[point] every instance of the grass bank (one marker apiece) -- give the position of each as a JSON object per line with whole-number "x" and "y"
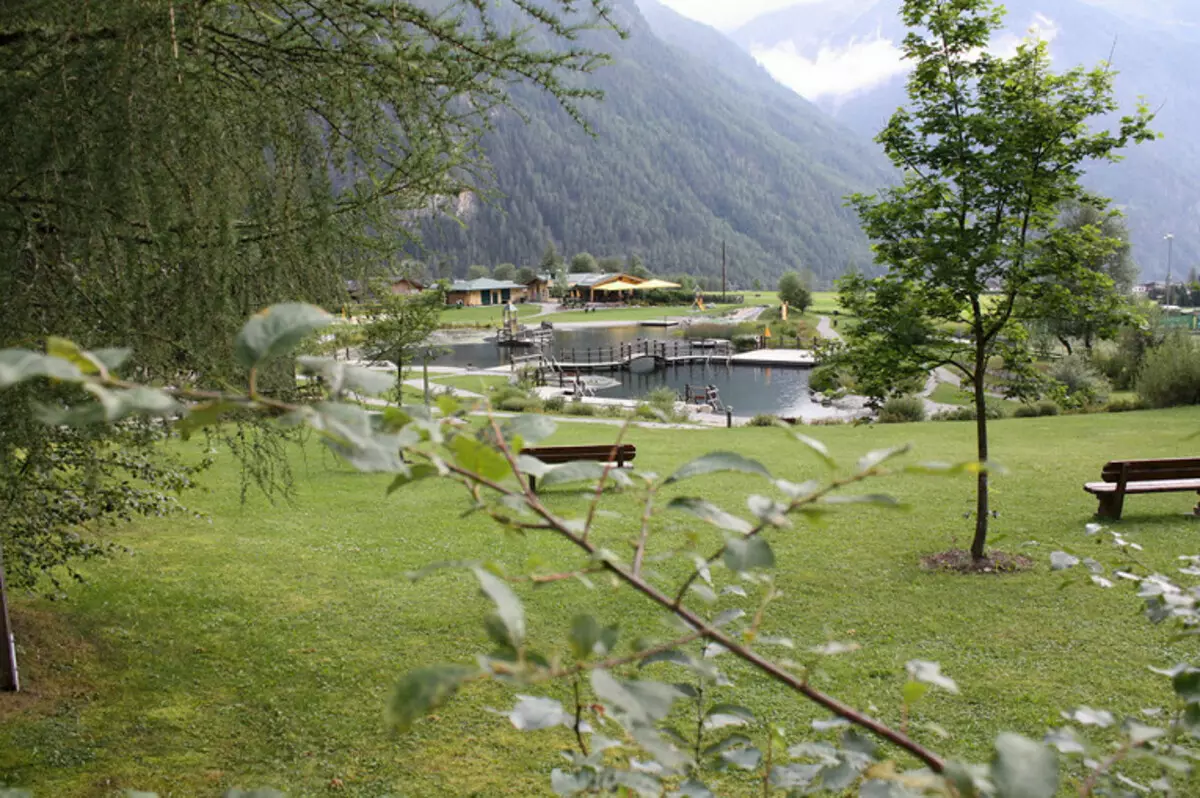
{"x": 258, "y": 646}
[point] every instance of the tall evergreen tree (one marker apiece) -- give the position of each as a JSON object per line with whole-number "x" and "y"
{"x": 169, "y": 168}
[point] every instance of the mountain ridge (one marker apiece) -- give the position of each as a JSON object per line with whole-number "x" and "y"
{"x": 689, "y": 151}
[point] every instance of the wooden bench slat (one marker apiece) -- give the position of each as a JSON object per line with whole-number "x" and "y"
{"x": 1156, "y": 486}
{"x": 617, "y": 455}
{"x": 1125, "y": 477}
{"x": 1141, "y": 470}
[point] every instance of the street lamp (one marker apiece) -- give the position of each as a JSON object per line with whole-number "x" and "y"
{"x": 1170, "y": 239}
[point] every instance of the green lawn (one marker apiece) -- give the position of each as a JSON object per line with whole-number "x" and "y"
{"x": 948, "y": 394}
{"x": 483, "y": 315}
{"x": 258, "y": 646}
{"x": 479, "y": 383}
{"x": 647, "y": 313}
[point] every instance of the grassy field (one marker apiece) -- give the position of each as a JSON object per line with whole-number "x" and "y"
{"x": 479, "y": 383}
{"x": 258, "y": 646}
{"x": 484, "y": 315}
{"x": 948, "y": 394}
{"x": 647, "y": 313}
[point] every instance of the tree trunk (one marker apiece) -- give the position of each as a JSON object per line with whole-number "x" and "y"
{"x": 981, "y": 496}
{"x": 9, "y": 678}
{"x": 1066, "y": 342}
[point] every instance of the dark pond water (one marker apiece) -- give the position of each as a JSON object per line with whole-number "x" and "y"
{"x": 747, "y": 389}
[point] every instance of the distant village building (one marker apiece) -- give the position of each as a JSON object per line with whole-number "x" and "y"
{"x": 484, "y": 291}
{"x": 538, "y": 289}
{"x": 590, "y": 287}
{"x": 401, "y": 285}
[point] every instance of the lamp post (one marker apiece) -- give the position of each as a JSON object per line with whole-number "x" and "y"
{"x": 1170, "y": 239}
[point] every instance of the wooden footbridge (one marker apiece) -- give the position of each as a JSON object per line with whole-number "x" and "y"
{"x": 623, "y": 356}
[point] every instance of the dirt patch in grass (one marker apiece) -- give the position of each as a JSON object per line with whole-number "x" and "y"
{"x": 52, "y": 658}
{"x": 961, "y": 562}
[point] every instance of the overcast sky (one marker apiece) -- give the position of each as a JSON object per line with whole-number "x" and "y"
{"x": 728, "y": 14}
{"x": 839, "y": 69}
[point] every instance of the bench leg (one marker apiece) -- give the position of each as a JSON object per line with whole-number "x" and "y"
{"x": 532, "y": 483}
{"x": 1196, "y": 509}
{"x": 1111, "y": 505}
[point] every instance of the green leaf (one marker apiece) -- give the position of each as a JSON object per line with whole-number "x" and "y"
{"x": 508, "y": 606}
{"x": 746, "y": 554}
{"x": 920, "y": 670}
{"x": 1187, "y": 684}
{"x": 448, "y": 403}
{"x": 479, "y": 458}
{"x": 819, "y": 448}
{"x": 70, "y": 351}
{"x": 203, "y": 415}
{"x": 342, "y": 376}
{"x": 533, "y": 713}
{"x": 721, "y": 715}
{"x": 877, "y": 499}
{"x": 880, "y": 456}
{"x": 711, "y": 513}
{"x": 415, "y": 474}
{"x": 578, "y": 471}
{"x": 277, "y": 330}
{"x": 531, "y": 428}
{"x": 914, "y": 691}
{"x": 18, "y": 365}
{"x": 715, "y": 462}
{"x": 585, "y": 632}
{"x": 747, "y": 758}
{"x": 112, "y": 358}
{"x": 643, "y": 702}
{"x": 420, "y": 691}
{"x": 1022, "y": 768}
{"x": 692, "y": 789}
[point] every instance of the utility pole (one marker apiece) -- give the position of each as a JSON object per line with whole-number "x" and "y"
{"x": 1170, "y": 237}
{"x": 723, "y": 297}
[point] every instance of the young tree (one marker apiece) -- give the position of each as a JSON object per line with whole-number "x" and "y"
{"x": 758, "y": 284}
{"x": 991, "y": 148}
{"x": 610, "y": 265}
{"x": 1094, "y": 309}
{"x": 794, "y": 291}
{"x": 505, "y": 271}
{"x": 584, "y": 263}
{"x": 445, "y": 270}
{"x": 524, "y": 275}
{"x": 551, "y": 260}
{"x": 396, "y": 326}
{"x": 636, "y": 267}
{"x": 477, "y": 272}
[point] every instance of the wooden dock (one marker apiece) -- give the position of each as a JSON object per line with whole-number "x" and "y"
{"x": 624, "y": 356}
{"x": 799, "y": 358}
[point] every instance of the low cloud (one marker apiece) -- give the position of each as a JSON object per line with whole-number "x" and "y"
{"x": 834, "y": 72}
{"x": 839, "y": 72}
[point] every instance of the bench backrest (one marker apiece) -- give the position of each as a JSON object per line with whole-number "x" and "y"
{"x": 605, "y": 452}
{"x": 1148, "y": 470}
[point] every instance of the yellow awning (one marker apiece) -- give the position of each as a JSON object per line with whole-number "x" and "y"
{"x": 616, "y": 285}
{"x": 650, "y": 285}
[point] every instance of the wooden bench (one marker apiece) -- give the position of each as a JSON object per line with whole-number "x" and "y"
{"x": 1124, "y": 477}
{"x": 601, "y": 453}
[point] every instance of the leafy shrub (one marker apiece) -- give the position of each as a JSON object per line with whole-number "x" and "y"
{"x": 824, "y": 379}
{"x": 763, "y": 420}
{"x": 1082, "y": 384}
{"x": 1043, "y": 408}
{"x": 1170, "y": 375}
{"x": 1123, "y": 405}
{"x": 554, "y": 404}
{"x": 968, "y": 413}
{"x": 520, "y": 404}
{"x": 902, "y": 410}
{"x": 580, "y": 409}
